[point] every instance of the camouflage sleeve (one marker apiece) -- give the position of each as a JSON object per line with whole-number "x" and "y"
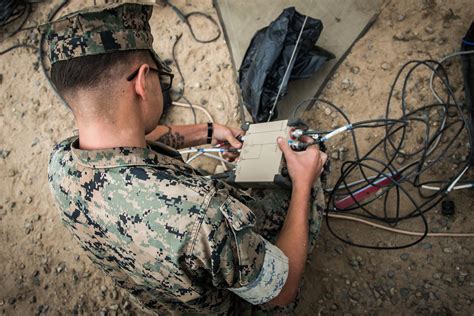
{"x": 237, "y": 258}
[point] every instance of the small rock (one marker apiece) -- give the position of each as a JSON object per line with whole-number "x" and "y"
{"x": 346, "y": 84}
{"x": 339, "y": 249}
{"x": 426, "y": 245}
{"x": 385, "y": 66}
{"x": 420, "y": 139}
{"x": 404, "y": 256}
{"x": 103, "y": 289}
{"x": 442, "y": 222}
{"x": 60, "y": 268}
{"x": 433, "y": 296}
{"x": 355, "y": 70}
{"x": 401, "y": 17}
{"x": 400, "y": 160}
{"x": 335, "y": 155}
{"x": 35, "y": 279}
{"x": 220, "y": 106}
{"x": 447, "y": 250}
{"x": 35, "y": 142}
{"x": 462, "y": 276}
{"x": 429, "y": 30}
{"x": 327, "y": 111}
{"x": 4, "y": 153}
{"x": 441, "y": 41}
{"x": 401, "y": 37}
{"x": 391, "y": 274}
{"x": 376, "y": 294}
{"x": 342, "y": 154}
{"x": 437, "y": 276}
{"x": 29, "y": 199}
{"x": 28, "y": 228}
{"x": 404, "y": 292}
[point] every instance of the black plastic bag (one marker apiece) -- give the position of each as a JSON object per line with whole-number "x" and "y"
{"x": 468, "y": 72}
{"x": 268, "y": 57}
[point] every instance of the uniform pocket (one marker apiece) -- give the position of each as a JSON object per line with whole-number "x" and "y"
{"x": 237, "y": 214}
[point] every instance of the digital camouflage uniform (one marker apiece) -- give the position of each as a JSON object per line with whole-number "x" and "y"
{"x": 177, "y": 241}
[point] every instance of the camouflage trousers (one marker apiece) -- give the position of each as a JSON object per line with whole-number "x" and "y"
{"x": 270, "y": 207}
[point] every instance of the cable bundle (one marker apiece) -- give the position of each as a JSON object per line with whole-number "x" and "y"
{"x": 397, "y": 172}
{"x": 11, "y": 11}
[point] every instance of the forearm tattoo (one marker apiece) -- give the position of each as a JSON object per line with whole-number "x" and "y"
{"x": 175, "y": 140}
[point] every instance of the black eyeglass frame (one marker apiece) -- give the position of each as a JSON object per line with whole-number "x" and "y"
{"x": 160, "y": 73}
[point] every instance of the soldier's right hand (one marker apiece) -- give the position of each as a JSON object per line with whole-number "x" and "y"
{"x": 303, "y": 166}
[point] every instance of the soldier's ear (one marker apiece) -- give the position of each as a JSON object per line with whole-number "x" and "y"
{"x": 140, "y": 82}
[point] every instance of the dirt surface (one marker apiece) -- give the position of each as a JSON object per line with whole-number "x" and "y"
{"x": 45, "y": 271}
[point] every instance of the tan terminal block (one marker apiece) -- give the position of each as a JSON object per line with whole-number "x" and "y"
{"x": 260, "y": 158}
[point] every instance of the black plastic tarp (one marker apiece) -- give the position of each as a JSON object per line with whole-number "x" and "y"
{"x": 468, "y": 71}
{"x": 268, "y": 57}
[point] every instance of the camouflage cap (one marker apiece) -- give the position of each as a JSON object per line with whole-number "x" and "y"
{"x": 101, "y": 30}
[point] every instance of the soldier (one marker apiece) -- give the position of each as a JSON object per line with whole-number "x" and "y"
{"x": 177, "y": 241}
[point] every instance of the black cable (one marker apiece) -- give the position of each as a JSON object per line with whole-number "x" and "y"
{"x": 380, "y": 161}
{"x": 178, "y": 68}
{"x": 11, "y": 11}
{"x": 26, "y": 13}
{"x": 185, "y": 19}
{"x": 181, "y": 93}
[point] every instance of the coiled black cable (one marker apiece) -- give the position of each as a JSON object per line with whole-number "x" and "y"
{"x": 11, "y": 11}
{"x": 403, "y": 198}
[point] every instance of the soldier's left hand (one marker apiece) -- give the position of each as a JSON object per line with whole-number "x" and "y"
{"x": 227, "y": 135}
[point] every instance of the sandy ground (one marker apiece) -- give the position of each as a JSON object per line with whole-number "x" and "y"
{"x": 44, "y": 271}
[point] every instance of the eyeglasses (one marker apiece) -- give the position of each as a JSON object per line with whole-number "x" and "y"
{"x": 166, "y": 78}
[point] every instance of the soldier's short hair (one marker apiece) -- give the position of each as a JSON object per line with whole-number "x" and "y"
{"x": 91, "y": 71}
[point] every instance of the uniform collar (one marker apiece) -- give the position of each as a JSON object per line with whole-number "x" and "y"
{"x": 154, "y": 154}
